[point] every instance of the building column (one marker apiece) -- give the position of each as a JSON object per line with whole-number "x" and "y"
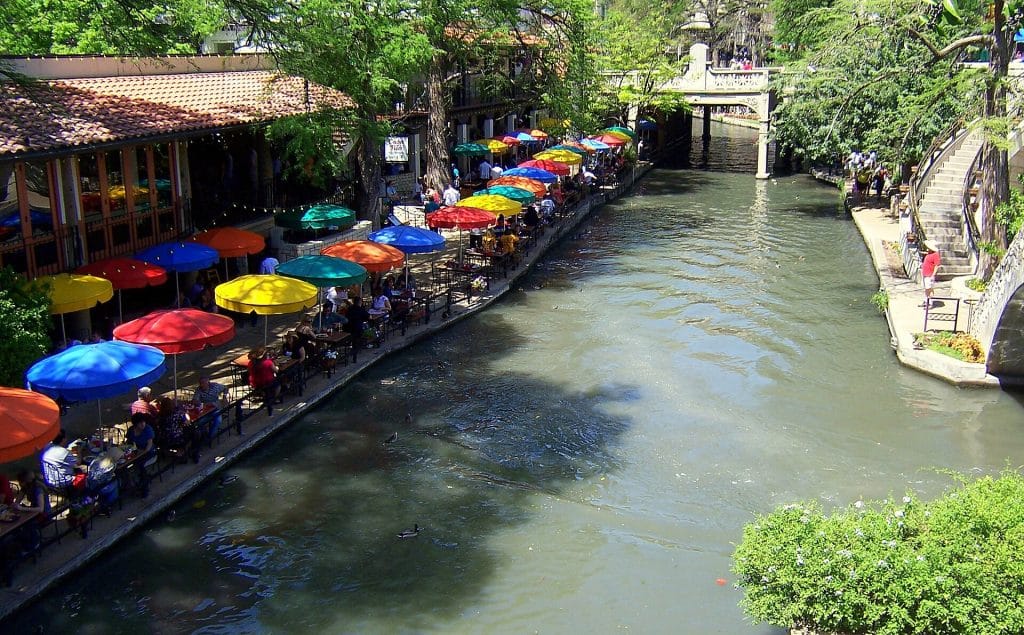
{"x": 415, "y": 147}
{"x": 510, "y": 123}
{"x": 488, "y": 128}
{"x": 764, "y": 122}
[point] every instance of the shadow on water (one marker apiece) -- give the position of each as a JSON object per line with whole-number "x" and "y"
{"x": 307, "y": 536}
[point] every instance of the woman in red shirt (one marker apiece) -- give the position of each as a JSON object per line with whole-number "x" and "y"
{"x": 263, "y": 376}
{"x": 928, "y": 268}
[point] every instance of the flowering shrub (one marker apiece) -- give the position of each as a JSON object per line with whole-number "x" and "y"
{"x": 955, "y": 565}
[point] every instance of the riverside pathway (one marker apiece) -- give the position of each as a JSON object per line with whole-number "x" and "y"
{"x": 905, "y": 315}
{"x": 60, "y": 560}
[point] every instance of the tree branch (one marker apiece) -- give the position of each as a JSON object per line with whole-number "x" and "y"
{"x": 952, "y": 47}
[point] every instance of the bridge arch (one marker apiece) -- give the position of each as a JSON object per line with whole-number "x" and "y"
{"x": 998, "y": 319}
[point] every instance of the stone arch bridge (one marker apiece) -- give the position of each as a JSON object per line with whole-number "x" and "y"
{"x": 706, "y": 86}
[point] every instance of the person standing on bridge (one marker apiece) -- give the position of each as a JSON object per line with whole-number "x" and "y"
{"x": 928, "y": 268}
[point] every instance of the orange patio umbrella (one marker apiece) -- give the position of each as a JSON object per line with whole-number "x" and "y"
{"x": 374, "y": 257}
{"x": 231, "y": 242}
{"x": 533, "y": 186}
{"x": 28, "y": 421}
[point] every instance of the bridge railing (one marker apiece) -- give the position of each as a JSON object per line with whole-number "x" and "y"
{"x": 713, "y": 80}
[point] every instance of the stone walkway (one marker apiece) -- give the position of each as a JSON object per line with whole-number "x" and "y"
{"x": 61, "y": 559}
{"x": 905, "y": 314}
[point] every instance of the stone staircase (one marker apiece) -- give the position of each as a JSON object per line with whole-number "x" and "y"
{"x": 940, "y": 209}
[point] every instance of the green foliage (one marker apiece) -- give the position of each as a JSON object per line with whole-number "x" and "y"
{"x": 992, "y": 248}
{"x": 900, "y": 566}
{"x": 25, "y": 314}
{"x": 39, "y": 27}
{"x": 1010, "y": 214}
{"x": 881, "y": 300}
{"x": 961, "y": 346}
{"x": 976, "y": 284}
{"x": 857, "y": 78}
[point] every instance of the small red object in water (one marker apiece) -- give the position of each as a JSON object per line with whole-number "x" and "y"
{"x": 720, "y": 581}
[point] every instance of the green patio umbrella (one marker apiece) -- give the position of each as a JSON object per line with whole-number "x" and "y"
{"x": 320, "y": 216}
{"x": 625, "y": 131}
{"x": 323, "y": 271}
{"x": 516, "y": 194}
{"x": 471, "y": 150}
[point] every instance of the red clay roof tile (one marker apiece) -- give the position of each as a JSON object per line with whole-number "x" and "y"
{"x": 57, "y": 114}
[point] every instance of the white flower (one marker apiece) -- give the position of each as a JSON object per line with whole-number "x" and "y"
{"x": 858, "y": 532}
{"x": 920, "y": 558}
{"x": 898, "y": 513}
{"x": 859, "y": 504}
{"x": 906, "y": 499}
{"x": 882, "y": 564}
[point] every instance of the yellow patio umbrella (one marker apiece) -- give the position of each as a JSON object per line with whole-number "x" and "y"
{"x": 492, "y": 203}
{"x": 562, "y": 156}
{"x": 70, "y": 292}
{"x": 265, "y": 295}
{"x": 494, "y": 145}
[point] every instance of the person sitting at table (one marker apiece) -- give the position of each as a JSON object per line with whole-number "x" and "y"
{"x": 174, "y": 430}
{"x": 489, "y": 242}
{"x": 210, "y": 393}
{"x": 531, "y": 218}
{"x": 501, "y": 225}
{"x": 547, "y": 208}
{"x": 357, "y": 318}
{"x": 58, "y": 464}
{"x": 305, "y": 329}
{"x": 32, "y": 499}
{"x": 144, "y": 403}
{"x": 294, "y": 347}
{"x": 381, "y": 304}
{"x": 507, "y": 244}
{"x": 143, "y": 437}
{"x": 329, "y": 316}
{"x": 263, "y": 377}
{"x": 207, "y": 301}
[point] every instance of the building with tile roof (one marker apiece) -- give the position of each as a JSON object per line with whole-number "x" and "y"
{"x": 104, "y": 156}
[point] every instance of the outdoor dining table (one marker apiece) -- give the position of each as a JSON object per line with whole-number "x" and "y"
{"x": 195, "y": 414}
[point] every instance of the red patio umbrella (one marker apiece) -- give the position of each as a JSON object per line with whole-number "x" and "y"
{"x": 461, "y": 218}
{"x": 125, "y": 273}
{"x": 176, "y": 331}
{"x": 28, "y": 421}
{"x": 508, "y": 140}
{"x": 554, "y": 167}
{"x": 231, "y": 242}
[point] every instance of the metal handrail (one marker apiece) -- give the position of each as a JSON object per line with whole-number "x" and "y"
{"x": 970, "y": 228}
{"x": 939, "y": 147}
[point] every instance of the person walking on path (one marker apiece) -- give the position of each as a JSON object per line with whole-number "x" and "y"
{"x": 928, "y": 268}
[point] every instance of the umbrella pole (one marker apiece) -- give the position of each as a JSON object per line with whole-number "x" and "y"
{"x": 266, "y": 321}
{"x": 63, "y": 331}
{"x": 99, "y": 413}
{"x": 175, "y": 356}
{"x": 226, "y": 277}
{"x": 120, "y": 313}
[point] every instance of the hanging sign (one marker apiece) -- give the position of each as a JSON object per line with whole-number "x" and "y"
{"x": 396, "y": 149}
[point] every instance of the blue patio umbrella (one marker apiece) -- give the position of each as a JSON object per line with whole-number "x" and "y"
{"x": 96, "y": 371}
{"x": 523, "y": 137}
{"x": 180, "y": 256}
{"x": 646, "y": 124}
{"x": 595, "y": 144}
{"x": 532, "y": 173}
{"x": 411, "y": 240}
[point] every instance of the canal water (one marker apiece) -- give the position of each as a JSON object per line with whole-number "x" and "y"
{"x": 581, "y": 457}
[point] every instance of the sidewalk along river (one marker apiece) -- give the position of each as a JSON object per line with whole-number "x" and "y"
{"x": 583, "y": 455}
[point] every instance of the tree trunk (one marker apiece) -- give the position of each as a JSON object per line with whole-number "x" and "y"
{"x": 368, "y": 192}
{"x": 438, "y": 175}
{"x": 995, "y": 182}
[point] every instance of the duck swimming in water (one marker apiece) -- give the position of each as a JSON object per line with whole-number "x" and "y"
{"x": 410, "y": 533}
{"x": 391, "y": 439}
